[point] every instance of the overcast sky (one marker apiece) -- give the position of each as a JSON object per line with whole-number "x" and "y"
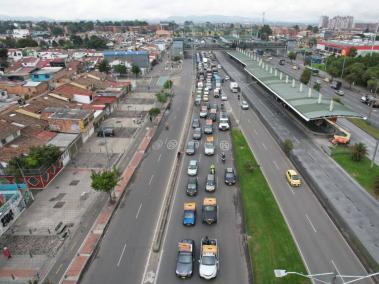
{"x": 276, "y": 10}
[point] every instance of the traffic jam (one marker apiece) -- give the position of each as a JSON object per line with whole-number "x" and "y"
{"x": 209, "y": 123}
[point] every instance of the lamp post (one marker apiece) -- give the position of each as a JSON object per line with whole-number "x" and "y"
{"x": 282, "y": 273}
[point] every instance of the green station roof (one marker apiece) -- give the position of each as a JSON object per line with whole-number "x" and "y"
{"x": 306, "y": 103}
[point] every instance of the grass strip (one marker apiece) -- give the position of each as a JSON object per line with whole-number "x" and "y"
{"x": 270, "y": 242}
{"x": 361, "y": 171}
{"x": 365, "y": 126}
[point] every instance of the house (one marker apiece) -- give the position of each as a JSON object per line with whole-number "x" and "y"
{"x": 163, "y": 34}
{"x": 76, "y": 121}
{"x": 139, "y": 58}
{"x": 70, "y": 92}
{"x": 8, "y": 133}
{"x": 21, "y": 33}
{"x": 24, "y": 89}
{"x": 45, "y": 74}
{"x": 68, "y": 143}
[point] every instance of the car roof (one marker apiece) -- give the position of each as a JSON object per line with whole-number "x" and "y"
{"x": 193, "y": 162}
{"x": 292, "y": 172}
{"x": 229, "y": 170}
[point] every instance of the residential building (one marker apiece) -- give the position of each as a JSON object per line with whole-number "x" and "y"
{"x": 341, "y": 23}
{"x": 324, "y": 22}
{"x": 45, "y": 74}
{"x": 366, "y": 27}
{"x": 177, "y": 49}
{"x": 21, "y": 33}
{"x": 8, "y": 133}
{"x": 139, "y": 58}
{"x": 24, "y": 89}
{"x": 71, "y": 92}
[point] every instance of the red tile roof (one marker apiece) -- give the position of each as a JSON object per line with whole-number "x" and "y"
{"x": 68, "y": 90}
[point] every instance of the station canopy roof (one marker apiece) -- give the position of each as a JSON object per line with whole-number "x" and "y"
{"x": 309, "y": 107}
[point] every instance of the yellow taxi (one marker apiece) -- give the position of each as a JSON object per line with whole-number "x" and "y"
{"x": 293, "y": 178}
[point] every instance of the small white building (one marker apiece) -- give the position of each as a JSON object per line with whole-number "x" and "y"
{"x": 21, "y": 33}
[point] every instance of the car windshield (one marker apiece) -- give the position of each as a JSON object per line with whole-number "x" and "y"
{"x": 229, "y": 175}
{"x": 209, "y": 208}
{"x": 192, "y": 166}
{"x": 209, "y": 260}
{"x": 295, "y": 177}
{"x": 191, "y": 145}
{"x": 185, "y": 258}
{"x": 188, "y": 214}
{"x": 191, "y": 186}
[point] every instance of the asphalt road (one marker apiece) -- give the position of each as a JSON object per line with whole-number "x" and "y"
{"x": 124, "y": 249}
{"x": 229, "y": 228}
{"x": 320, "y": 243}
{"x": 350, "y": 99}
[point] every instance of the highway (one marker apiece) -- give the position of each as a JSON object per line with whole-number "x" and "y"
{"x": 229, "y": 228}
{"x": 125, "y": 247}
{"x": 321, "y": 245}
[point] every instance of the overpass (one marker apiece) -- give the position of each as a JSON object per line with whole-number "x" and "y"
{"x": 308, "y": 104}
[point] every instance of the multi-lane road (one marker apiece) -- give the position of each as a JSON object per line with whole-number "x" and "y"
{"x": 229, "y": 228}
{"x": 126, "y": 245}
{"x": 320, "y": 243}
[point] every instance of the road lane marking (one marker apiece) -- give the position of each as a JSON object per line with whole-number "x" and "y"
{"x": 165, "y": 142}
{"x": 160, "y": 156}
{"x": 139, "y": 209}
{"x": 310, "y": 223}
{"x": 122, "y": 254}
{"x": 276, "y": 165}
{"x": 336, "y": 268}
{"x": 59, "y": 268}
{"x": 151, "y": 179}
{"x": 264, "y": 146}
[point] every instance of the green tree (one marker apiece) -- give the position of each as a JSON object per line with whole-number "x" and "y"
{"x": 57, "y": 31}
{"x": 353, "y": 52}
{"x": 76, "y": 40}
{"x": 305, "y": 76}
{"x": 3, "y": 57}
{"x": 153, "y": 112}
{"x": 104, "y": 66}
{"x": 296, "y": 27}
{"x": 309, "y": 28}
{"x": 358, "y": 151}
{"x": 373, "y": 85}
{"x": 376, "y": 185}
{"x": 136, "y": 70}
{"x": 287, "y": 146}
{"x": 161, "y": 97}
{"x": 168, "y": 84}
{"x": 265, "y": 32}
{"x": 317, "y": 87}
{"x": 8, "y": 42}
{"x": 106, "y": 180}
{"x": 312, "y": 41}
{"x": 96, "y": 42}
{"x": 26, "y": 42}
{"x": 333, "y": 71}
{"x": 292, "y": 55}
{"x": 315, "y": 29}
{"x": 120, "y": 68}
{"x": 351, "y": 78}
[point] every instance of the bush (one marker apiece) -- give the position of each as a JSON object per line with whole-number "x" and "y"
{"x": 153, "y": 112}
{"x": 250, "y": 166}
{"x": 161, "y": 97}
{"x": 358, "y": 151}
{"x": 168, "y": 84}
{"x": 376, "y": 186}
{"x": 287, "y": 146}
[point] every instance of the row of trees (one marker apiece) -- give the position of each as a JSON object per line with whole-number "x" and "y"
{"x": 75, "y": 41}
{"x": 360, "y": 70}
{"x": 121, "y": 69}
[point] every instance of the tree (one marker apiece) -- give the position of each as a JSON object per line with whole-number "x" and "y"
{"x": 120, "y": 68}
{"x": 3, "y": 57}
{"x": 161, "y": 97}
{"x": 76, "y": 40}
{"x": 296, "y": 27}
{"x": 265, "y": 32}
{"x": 358, "y": 151}
{"x": 373, "y": 85}
{"x": 57, "y": 31}
{"x": 104, "y": 66}
{"x": 287, "y": 146}
{"x": 96, "y": 42}
{"x": 106, "y": 180}
{"x": 136, "y": 70}
{"x": 309, "y": 28}
{"x": 317, "y": 87}
{"x": 353, "y": 52}
{"x": 292, "y": 55}
{"x": 376, "y": 185}
{"x": 312, "y": 41}
{"x": 153, "y": 112}
{"x": 305, "y": 76}
{"x": 351, "y": 78}
{"x": 26, "y": 42}
{"x": 315, "y": 29}
{"x": 333, "y": 71}
{"x": 168, "y": 84}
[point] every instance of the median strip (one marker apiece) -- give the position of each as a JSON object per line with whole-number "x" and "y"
{"x": 270, "y": 243}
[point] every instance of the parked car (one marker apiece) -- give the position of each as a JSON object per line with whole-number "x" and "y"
{"x": 339, "y": 92}
{"x": 106, "y": 131}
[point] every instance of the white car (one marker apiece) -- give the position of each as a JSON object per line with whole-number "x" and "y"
{"x": 193, "y": 166}
{"x": 219, "y": 66}
{"x": 224, "y": 97}
{"x": 227, "y": 78}
{"x": 223, "y": 125}
{"x": 339, "y": 92}
{"x": 209, "y": 149}
{"x": 244, "y": 105}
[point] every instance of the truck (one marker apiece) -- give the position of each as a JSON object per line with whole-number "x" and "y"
{"x": 336, "y": 85}
{"x": 234, "y": 87}
{"x": 370, "y": 100}
{"x": 209, "y": 258}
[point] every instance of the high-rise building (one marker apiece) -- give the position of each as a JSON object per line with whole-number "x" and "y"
{"x": 341, "y": 23}
{"x": 324, "y": 21}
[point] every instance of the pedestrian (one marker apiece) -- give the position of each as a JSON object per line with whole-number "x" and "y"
{"x": 7, "y": 253}
{"x": 151, "y": 119}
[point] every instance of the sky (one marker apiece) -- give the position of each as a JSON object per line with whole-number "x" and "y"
{"x": 275, "y": 10}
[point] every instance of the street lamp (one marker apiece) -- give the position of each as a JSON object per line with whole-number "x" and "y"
{"x": 282, "y": 273}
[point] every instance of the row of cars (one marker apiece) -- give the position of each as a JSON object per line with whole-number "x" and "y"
{"x": 208, "y": 257}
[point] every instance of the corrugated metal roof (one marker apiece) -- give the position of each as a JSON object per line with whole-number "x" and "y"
{"x": 308, "y": 107}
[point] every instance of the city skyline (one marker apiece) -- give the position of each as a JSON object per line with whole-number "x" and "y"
{"x": 163, "y": 9}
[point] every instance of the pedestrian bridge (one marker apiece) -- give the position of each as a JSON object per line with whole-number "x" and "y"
{"x": 303, "y": 100}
